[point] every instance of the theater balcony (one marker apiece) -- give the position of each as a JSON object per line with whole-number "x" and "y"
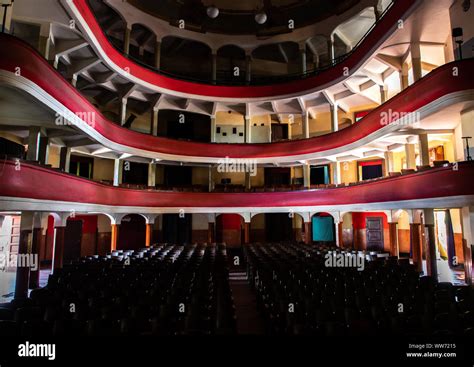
{"x": 420, "y": 106}
{"x": 60, "y": 191}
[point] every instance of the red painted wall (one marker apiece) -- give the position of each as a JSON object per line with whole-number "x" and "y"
{"x": 229, "y": 221}
{"x": 359, "y": 219}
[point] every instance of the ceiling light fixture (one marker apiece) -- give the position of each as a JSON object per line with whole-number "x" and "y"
{"x": 261, "y": 17}
{"x": 212, "y": 12}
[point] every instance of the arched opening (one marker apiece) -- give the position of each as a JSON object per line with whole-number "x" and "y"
{"x": 318, "y": 45}
{"x": 323, "y": 229}
{"x": 175, "y": 124}
{"x": 142, "y": 44}
{"x": 403, "y": 232}
{"x": 349, "y": 33}
{"x": 371, "y": 231}
{"x": 231, "y": 64}
{"x": 341, "y": 46}
{"x": 184, "y": 57}
{"x": 111, "y": 22}
{"x": 276, "y": 227}
{"x": 134, "y": 173}
{"x": 132, "y": 232}
{"x": 177, "y": 228}
{"x": 200, "y": 228}
{"x": 229, "y": 228}
{"x": 275, "y": 59}
{"x": 104, "y": 234}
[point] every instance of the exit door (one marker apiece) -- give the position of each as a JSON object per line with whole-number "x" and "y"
{"x": 374, "y": 233}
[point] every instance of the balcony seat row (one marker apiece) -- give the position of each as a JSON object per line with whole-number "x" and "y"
{"x": 236, "y": 188}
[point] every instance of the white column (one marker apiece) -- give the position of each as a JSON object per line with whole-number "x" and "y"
{"x": 403, "y": 74}
{"x": 44, "y": 45}
{"x": 248, "y": 183}
{"x": 468, "y": 232}
{"x": 336, "y": 232}
{"x": 126, "y": 40}
{"x": 331, "y": 49}
{"x": 389, "y": 166}
{"x": 336, "y": 173}
{"x": 307, "y": 176}
{"x": 8, "y": 12}
{"x": 33, "y": 144}
{"x": 158, "y": 54}
{"x": 214, "y": 67}
{"x": 248, "y": 131}
{"x": 123, "y": 111}
{"x": 416, "y": 60}
{"x": 383, "y": 94}
{"x": 154, "y": 121}
{"x": 305, "y": 122}
{"x": 118, "y": 170}
{"x": 213, "y": 129}
{"x": 465, "y": 128}
{"x": 410, "y": 156}
{"x": 152, "y": 174}
{"x": 334, "y": 117}
{"x": 423, "y": 149}
{"x": 430, "y": 243}
{"x": 303, "y": 58}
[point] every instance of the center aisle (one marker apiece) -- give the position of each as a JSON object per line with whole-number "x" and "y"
{"x": 249, "y": 321}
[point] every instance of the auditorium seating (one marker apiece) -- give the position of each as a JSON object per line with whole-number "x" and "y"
{"x": 387, "y": 297}
{"x": 184, "y": 290}
{"x": 161, "y": 290}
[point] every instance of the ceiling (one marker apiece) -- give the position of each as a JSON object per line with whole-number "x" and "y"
{"x": 238, "y": 17}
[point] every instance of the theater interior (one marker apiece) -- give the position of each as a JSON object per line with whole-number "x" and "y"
{"x": 216, "y": 169}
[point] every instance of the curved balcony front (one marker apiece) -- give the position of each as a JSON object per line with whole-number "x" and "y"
{"x": 61, "y": 191}
{"x": 285, "y": 87}
{"x": 440, "y": 88}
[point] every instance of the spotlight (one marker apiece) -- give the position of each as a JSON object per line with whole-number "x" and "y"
{"x": 261, "y": 17}
{"x": 212, "y": 12}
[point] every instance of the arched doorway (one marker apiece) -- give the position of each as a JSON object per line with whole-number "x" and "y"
{"x": 323, "y": 229}
{"x": 229, "y": 229}
{"x": 347, "y": 234}
{"x": 177, "y": 228}
{"x": 132, "y": 232}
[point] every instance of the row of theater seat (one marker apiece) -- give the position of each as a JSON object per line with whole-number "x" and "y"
{"x": 298, "y": 293}
{"x": 173, "y": 290}
{"x": 161, "y": 290}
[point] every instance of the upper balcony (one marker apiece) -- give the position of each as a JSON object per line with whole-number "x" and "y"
{"x": 298, "y": 40}
{"x": 442, "y": 87}
{"x": 61, "y": 191}
{"x": 189, "y": 67}
{"x": 259, "y": 70}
